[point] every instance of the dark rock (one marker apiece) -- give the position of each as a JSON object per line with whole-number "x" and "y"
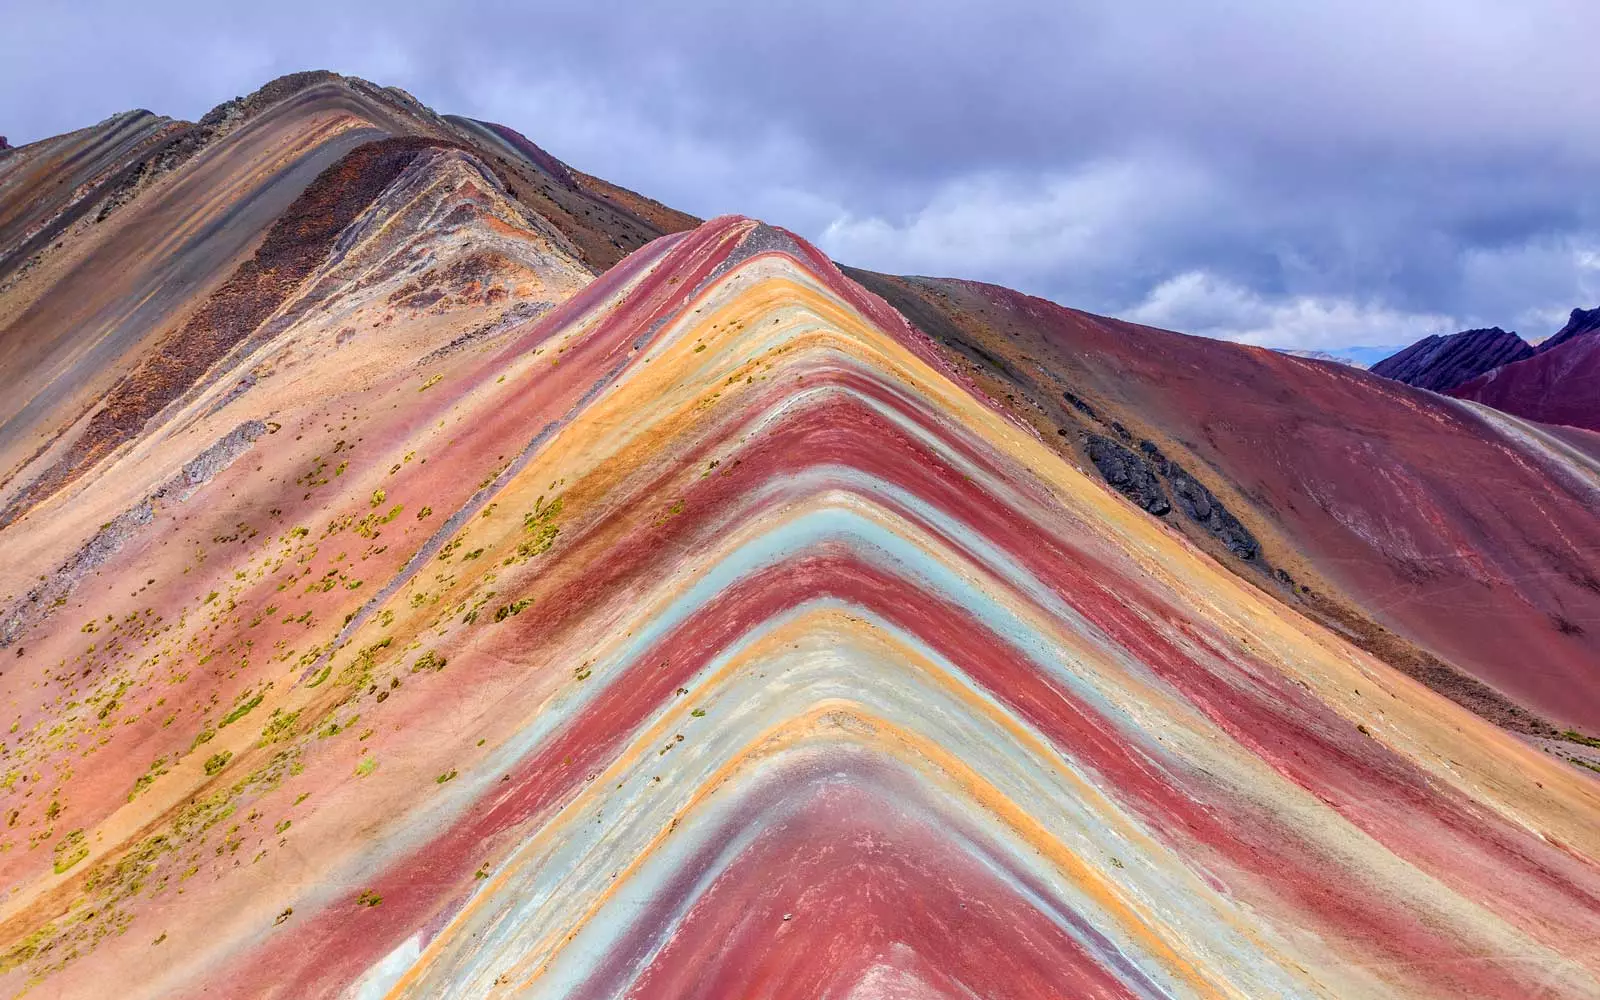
{"x": 1122, "y": 432}
{"x": 1582, "y": 321}
{"x": 1203, "y": 507}
{"x": 1442, "y": 363}
{"x": 1080, "y": 406}
{"x": 1129, "y": 474}
{"x": 1565, "y": 625}
{"x": 1138, "y": 477}
{"x": 1155, "y": 456}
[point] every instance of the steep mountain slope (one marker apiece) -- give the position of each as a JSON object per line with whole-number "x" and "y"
{"x": 1442, "y": 363}
{"x": 51, "y": 184}
{"x": 474, "y": 592}
{"x": 115, "y": 322}
{"x": 1458, "y": 551}
{"x": 1556, "y": 386}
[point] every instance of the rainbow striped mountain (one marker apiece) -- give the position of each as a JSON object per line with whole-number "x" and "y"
{"x": 431, "y": 571}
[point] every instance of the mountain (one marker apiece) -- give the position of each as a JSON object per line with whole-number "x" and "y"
{"x": 1337, "y": 359}
{"x": 1558, "y": 385}
{"x": 434, "y": 571}
{"x": 1352, "y": 498}
{"x": 1580, "y": 323}
{"x": 1442, "y": 363}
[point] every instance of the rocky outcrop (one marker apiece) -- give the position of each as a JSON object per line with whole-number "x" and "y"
{"x": 1129, "y": 475}
{"x": 1204, "y": 508}
{"x": 1363, "y": 493}
{"x": 1201, "y": 505}
{"x": 1442, "y": 363}
{"x": 1138, "y": 477}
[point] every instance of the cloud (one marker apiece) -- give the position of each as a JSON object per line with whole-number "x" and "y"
{"x": 996, "y": 226}
{"x": 1201, "y": 303}
{"x": 1367, "y": 167}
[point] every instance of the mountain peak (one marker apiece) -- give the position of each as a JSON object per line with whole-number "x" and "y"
{"x": 1443, "y": 362}
{"x": 1582, "y": 322}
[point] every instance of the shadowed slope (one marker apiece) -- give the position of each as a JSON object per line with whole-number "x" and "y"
{"x": 47, "y": 186}
{"x": 116, "y": 296}
{"x": 84, "y": 318}
{"x": 297, "y": 242}
{"x": 605, "y": 222}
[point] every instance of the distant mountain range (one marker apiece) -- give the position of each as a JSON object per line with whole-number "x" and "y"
{"x": 1340, "y": 359}
{"x": 1440, "y": 363}
{"x": 1555, "y": 382}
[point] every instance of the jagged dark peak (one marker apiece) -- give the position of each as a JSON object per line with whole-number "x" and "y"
{"x": 1582, "y": 321}
{"x": 1441, "y": 363}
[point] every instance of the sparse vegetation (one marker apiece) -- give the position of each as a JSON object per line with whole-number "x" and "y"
{"x": 516, "y": 607}
{"x": 428, "y": 661}
{"x": 140, "y": 784}
{"x": 280, "y": 726}
{"x": 70, "y": 850}
{"x": 241, "y": 708}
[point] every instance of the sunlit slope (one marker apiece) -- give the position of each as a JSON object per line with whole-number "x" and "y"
{"x": 709, "y": 636}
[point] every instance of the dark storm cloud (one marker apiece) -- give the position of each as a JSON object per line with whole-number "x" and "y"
{"x": 1315, "y": 175}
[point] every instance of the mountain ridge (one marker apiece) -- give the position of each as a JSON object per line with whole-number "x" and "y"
{"x": 1556, "y": 386}
{"x": 519, "y": 598}
{"x": 1580, "y": 323}
{"x": 1441, "y": 363}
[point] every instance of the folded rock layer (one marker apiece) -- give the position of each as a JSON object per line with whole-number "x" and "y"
{"x": 480, "y": 617}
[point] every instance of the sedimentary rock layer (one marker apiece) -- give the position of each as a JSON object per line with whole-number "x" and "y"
{"x": 1579, "y": 323}
{"x": 504, "y": 598}
{"x": 711, "y": 636}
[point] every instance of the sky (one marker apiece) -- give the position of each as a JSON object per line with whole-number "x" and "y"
{"x": 1315, "y": 175}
